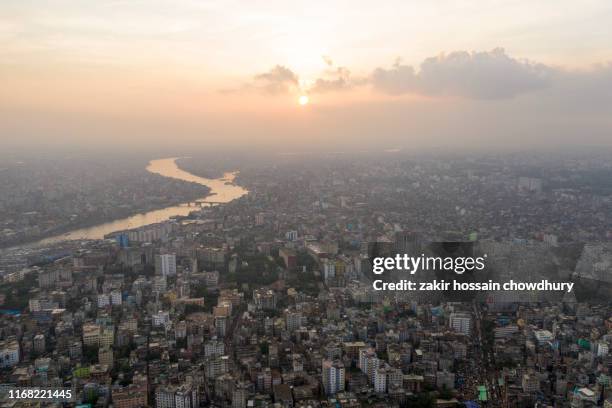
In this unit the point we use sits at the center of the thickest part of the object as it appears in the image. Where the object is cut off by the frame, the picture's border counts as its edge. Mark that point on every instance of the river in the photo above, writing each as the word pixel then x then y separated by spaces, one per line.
pixel 222 190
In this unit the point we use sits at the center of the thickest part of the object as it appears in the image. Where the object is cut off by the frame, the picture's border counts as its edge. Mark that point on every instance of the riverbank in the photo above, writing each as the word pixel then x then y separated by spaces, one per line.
pixel 219 190
pixel 91 222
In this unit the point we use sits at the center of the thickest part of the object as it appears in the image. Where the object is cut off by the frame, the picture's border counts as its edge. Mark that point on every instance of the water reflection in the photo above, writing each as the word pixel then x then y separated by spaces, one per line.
pixel 221 192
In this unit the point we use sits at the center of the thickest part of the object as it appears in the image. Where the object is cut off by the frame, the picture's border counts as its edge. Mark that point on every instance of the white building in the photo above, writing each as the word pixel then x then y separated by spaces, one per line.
pixel 160 284
pixel 293 321
pixel 214 348
pixel 186 396
pixel 505 331
pixel 329 269
pixel 602 349
pixel 9 353
pixel 36 305
pixel 115 297
pixel 211 279
pixel 165 264
pixel 103 300
pixel 333 376
pixel 368 363
pixel 460 322
pixel 530 382
pixel 164 397
pixel 160 318
pixel 380 380
pixel 543 336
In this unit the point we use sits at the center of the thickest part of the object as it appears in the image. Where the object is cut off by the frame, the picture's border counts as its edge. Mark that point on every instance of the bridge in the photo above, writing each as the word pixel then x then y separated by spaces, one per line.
pixel 204 203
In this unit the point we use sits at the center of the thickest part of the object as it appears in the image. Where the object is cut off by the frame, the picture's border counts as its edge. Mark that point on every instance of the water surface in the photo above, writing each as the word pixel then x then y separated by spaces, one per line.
pixel 222 190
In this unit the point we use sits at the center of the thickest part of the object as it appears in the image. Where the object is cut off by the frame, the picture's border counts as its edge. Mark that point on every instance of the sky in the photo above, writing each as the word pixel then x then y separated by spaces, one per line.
pixel 440 74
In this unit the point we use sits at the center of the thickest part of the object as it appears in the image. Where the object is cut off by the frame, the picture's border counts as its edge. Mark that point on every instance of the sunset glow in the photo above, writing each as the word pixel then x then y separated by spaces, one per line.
pixel 135 72
pixel 303 100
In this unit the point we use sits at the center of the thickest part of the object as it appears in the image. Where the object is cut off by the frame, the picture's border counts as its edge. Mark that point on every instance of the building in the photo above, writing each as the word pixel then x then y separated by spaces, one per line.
pixel 115 298
pixel 239 395
pixel 333 376
pixel 380 380
pixel 602 349
pixel 39 343
pixel 293 321
pixel 107 337
pixel 543 336
pixel 9 353
pixel 531 184
pixel 445 379
pixel 329 269
pixel 132 396
pixel 75 350
pixel 165 264
pixel 368 363
pixel 530 382
pixel 36 305
pixel 160 284
pixel 283 396
pixel 105 357
pixel 211 279
pixel 160 318
pixel 214 348
pixel 103 300
pixel 164 397
pixel 91 335
pixel 186 396
pixel 460 322
pixel 289 257
pixel 264 299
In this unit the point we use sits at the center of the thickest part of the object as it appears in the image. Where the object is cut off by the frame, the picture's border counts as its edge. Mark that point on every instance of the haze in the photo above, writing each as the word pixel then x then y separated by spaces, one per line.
pixel 228 74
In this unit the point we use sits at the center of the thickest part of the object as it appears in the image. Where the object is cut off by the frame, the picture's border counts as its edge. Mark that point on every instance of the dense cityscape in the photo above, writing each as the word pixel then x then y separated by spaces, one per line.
pixel 264 301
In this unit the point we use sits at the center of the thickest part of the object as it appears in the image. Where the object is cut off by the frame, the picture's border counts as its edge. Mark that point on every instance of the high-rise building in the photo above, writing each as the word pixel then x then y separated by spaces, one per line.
pixel 105 357
pixel 368 363
pixel 293 321
pixel 460 322
pixel 239 395
pixel 39 343
pixel 115 297
pixel 332 374
pixel 165 264
pixel 91 335
pixel 183 396
pixel 160 318
pixel 9 353
pixel 380 380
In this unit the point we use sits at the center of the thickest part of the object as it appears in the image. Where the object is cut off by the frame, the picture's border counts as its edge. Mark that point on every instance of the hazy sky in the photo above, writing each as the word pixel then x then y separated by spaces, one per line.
pixel 436 73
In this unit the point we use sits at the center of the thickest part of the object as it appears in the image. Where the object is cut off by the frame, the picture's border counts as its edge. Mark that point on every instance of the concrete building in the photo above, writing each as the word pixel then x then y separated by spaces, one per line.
pixel 9 353
pixel 333 376
pixel 460 322
pixel 165 264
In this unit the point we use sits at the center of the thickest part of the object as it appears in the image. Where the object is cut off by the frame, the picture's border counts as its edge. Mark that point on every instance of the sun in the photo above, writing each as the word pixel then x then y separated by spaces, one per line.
pixel 303 100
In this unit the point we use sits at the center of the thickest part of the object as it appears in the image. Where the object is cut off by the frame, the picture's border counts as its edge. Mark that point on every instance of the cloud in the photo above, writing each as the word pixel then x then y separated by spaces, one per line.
pixel 485 75
pixel 475 75
pixel 278 80
pixel 334 80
